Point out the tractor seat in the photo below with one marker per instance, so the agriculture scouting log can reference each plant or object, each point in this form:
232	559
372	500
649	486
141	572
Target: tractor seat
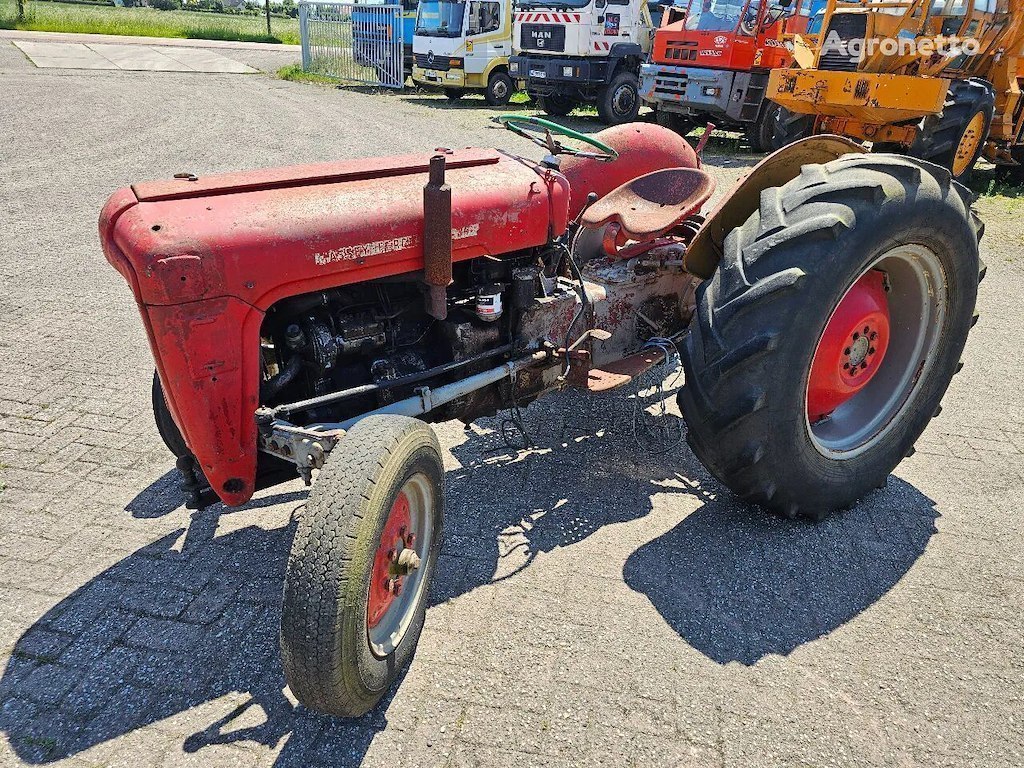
652	204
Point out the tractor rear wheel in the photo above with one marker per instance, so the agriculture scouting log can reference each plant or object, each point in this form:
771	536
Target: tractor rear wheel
825	339
955	137
364	552
790	127
556	104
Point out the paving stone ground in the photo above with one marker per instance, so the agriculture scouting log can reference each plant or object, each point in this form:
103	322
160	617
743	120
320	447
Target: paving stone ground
597	603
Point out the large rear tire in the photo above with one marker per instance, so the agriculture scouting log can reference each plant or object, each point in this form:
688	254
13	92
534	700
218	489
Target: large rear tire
364	552
955	137
891	228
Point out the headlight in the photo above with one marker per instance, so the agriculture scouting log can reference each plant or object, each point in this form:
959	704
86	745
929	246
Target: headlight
566	71
513	66
710	90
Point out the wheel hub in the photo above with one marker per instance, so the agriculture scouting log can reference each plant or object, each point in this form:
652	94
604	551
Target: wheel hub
394	560
851	348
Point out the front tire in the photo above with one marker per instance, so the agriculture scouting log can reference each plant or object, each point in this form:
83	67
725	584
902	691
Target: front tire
619	101
499	89
364	552
753	396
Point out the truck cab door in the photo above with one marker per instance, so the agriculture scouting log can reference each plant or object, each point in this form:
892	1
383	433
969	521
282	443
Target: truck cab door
615	23
488	33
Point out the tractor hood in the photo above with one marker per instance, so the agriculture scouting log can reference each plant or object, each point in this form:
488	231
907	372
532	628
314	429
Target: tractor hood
263	235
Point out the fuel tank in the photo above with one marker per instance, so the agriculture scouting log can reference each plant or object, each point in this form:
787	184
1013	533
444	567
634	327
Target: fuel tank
207	256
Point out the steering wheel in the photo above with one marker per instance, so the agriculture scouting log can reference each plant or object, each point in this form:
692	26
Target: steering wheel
528	127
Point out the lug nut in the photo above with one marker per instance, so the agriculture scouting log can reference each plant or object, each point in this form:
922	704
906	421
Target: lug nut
392	555
410	539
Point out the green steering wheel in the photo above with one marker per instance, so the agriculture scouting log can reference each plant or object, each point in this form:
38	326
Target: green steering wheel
527	127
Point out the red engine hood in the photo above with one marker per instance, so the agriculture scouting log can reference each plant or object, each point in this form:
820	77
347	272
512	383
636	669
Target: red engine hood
263	235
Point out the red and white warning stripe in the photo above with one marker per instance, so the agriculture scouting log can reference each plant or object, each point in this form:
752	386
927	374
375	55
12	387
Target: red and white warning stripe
566	18
599	46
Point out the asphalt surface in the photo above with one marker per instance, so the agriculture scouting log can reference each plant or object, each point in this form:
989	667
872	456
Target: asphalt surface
598	602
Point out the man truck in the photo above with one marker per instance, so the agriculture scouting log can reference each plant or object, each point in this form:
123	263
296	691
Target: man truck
572	52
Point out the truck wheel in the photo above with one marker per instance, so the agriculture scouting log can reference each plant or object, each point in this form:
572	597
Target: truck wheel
619	101
165	425
675	121
364	552
955	136
790	127
824	341
760	133
454	94
499	89
556	104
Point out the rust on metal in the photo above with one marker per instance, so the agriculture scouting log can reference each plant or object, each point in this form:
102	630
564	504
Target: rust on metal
651	205
437	238
621	372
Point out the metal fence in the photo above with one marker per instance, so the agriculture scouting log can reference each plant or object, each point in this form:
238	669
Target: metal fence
353	42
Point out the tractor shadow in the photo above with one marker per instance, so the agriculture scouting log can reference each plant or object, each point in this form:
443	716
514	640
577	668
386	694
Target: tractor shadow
733	581
187	627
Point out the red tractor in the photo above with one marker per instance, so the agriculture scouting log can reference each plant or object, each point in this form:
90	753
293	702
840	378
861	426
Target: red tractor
315	318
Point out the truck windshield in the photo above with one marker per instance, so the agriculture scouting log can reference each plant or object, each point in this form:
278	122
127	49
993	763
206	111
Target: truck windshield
439	18
714	15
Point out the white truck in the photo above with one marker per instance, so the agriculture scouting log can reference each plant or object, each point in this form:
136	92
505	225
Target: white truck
583	51
462	46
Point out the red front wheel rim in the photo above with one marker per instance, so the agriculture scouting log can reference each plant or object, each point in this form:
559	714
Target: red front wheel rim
397	572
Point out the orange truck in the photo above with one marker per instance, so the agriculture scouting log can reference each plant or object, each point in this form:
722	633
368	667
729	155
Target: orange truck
711	59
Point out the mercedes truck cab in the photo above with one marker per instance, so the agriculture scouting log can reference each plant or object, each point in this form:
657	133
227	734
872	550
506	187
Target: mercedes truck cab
464	46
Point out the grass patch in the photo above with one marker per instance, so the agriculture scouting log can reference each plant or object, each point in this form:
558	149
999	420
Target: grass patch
296	74
146	22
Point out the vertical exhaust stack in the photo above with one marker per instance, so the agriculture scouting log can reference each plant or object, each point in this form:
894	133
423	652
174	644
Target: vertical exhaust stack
437	239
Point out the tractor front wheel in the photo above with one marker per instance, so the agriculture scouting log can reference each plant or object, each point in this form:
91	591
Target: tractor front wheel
825	339
364	552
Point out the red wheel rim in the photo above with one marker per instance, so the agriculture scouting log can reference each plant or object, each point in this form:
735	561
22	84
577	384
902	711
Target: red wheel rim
851	348
390	566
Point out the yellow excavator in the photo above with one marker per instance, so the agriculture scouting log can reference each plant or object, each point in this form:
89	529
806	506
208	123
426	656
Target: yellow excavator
934	79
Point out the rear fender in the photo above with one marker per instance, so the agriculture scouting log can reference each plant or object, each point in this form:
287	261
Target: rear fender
705	251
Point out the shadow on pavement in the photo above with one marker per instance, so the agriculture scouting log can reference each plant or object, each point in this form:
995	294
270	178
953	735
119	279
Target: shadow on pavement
188	626
739	586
